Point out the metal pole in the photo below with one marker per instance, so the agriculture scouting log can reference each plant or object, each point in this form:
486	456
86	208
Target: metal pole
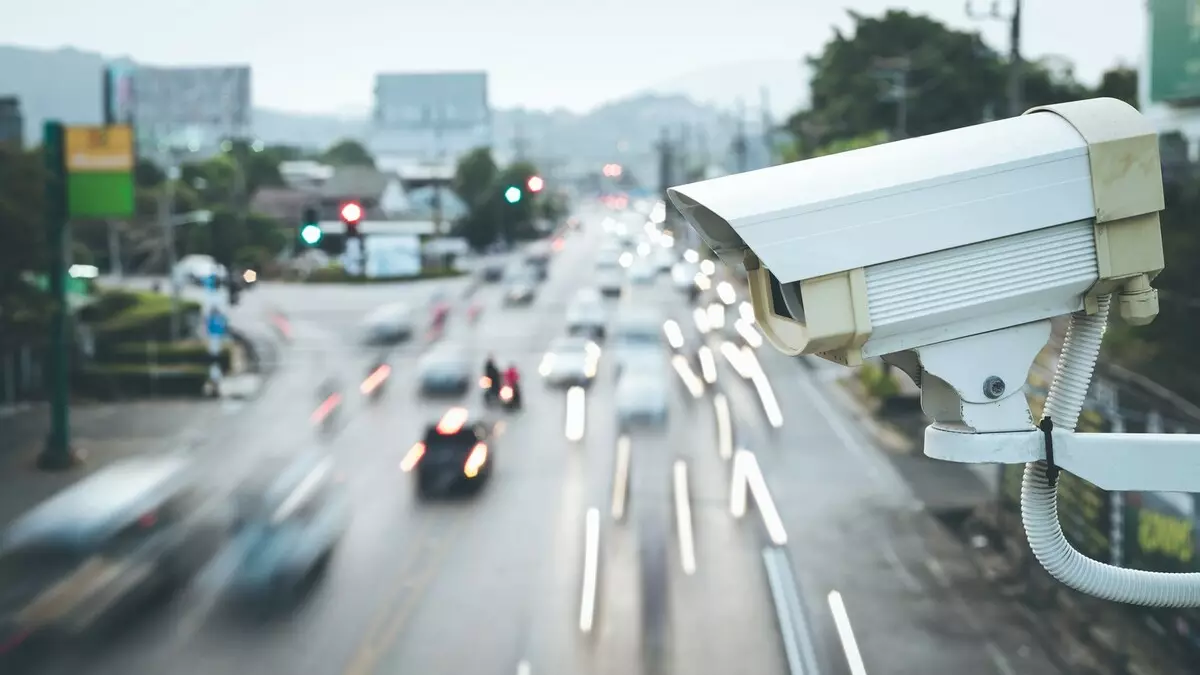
440	158
115	267
57	453
166	205
902	104
1016	70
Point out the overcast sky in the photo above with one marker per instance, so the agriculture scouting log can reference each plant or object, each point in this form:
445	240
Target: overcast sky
321	55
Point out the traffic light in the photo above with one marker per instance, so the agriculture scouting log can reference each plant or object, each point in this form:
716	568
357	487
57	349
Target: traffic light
351	214
512	195
535	183
613	170
310	227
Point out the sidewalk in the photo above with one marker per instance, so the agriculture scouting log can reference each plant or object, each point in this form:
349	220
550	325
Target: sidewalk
101	433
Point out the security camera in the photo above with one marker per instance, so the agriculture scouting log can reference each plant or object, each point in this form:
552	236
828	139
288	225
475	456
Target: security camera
947	256
892	247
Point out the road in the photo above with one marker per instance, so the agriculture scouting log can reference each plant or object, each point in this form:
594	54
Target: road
504	583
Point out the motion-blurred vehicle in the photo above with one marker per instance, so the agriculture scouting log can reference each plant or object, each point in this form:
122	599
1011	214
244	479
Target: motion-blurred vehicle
445	371
388	325
664	259
587	317
492	271
609	254
99	551
570	361
635	332
683	275
610	281
329	402
196	269
289	515
374	384
642	273
538	271
641	402
453	454
521	288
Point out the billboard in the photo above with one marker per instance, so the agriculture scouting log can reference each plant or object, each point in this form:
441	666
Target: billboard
393	255
215	100
430	117
1174	51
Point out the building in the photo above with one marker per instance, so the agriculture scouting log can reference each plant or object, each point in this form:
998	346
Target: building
430	118
12	123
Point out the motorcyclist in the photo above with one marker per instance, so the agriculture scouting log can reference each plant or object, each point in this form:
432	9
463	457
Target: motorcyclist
492	372
512	379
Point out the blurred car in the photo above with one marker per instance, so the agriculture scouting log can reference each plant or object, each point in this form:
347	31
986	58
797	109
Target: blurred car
570	361
610	281
587	318
521	288
609	254
288	518
454	454
538	271
492	271
388	324
97	552
445	371
641	402
587	294
664	258
642	273
683	275
196	269
632	333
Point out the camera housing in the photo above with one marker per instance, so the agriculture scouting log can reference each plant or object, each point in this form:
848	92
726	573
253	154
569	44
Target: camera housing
926	240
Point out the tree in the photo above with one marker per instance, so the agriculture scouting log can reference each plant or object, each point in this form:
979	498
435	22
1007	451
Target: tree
22	221
953	80
475	179
348	153
1120	83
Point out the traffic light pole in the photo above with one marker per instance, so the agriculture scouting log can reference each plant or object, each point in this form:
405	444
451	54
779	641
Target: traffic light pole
57	453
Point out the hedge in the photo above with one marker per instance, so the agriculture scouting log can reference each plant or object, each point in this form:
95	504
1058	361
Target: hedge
337	275
108	303
148	319
113	382
194	352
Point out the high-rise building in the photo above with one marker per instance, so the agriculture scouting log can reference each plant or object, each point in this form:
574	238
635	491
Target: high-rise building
12	123
430	118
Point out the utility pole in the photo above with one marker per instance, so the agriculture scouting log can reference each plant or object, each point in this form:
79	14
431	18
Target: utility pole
894	73
166	207
57	454
741	149
1016	68
439	160
768	124
115	268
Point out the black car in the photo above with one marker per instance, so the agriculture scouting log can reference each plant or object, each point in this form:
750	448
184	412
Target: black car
453	456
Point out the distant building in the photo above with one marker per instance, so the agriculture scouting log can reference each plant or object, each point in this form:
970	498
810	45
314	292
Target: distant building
12	123
430	117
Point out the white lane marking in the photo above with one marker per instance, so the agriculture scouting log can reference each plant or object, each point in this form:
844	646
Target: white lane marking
684	369
591	563
998	658
793	626
576	414
866	455
621	478
683	519
523	668
893	558
724	426
738	485
841	620
708	364
762	385
762	499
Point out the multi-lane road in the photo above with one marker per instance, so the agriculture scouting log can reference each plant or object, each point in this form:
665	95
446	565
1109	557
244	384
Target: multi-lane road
601	555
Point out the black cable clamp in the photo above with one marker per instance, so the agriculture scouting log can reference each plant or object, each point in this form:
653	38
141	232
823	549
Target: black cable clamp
1047	427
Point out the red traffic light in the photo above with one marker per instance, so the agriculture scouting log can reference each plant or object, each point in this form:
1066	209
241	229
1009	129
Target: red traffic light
612	170
351	213
535	183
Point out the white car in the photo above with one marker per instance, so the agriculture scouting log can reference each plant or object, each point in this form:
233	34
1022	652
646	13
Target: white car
683	275
587	318
610	282
642	274
633	335
388	324
641	402
569	362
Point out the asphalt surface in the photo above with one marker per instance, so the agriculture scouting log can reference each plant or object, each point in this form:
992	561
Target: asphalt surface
501	583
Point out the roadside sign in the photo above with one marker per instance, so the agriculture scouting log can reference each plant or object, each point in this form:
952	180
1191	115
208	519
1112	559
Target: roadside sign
99	162
216	323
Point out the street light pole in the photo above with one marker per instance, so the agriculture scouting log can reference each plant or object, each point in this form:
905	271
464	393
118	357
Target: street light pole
166	203
1016	68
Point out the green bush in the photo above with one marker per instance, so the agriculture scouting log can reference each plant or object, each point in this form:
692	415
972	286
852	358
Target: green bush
877	383
184	352
148	319
107	303
112	382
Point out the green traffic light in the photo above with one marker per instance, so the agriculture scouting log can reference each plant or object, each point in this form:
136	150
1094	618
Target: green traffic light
512	195
311	234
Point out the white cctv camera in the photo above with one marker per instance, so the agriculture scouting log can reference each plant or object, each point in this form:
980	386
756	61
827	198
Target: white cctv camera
894	248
